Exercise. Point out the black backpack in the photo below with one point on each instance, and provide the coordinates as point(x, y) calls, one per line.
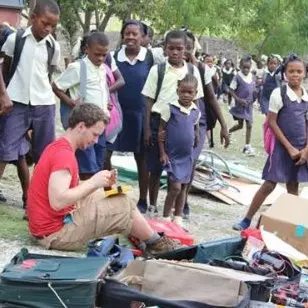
point(211, 117)
point(19, 44)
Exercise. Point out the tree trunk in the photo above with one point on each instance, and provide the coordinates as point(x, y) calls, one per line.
point(31, 8)
point(104, 23)
point(87, 21)
point(97, 17)
point(82, 24)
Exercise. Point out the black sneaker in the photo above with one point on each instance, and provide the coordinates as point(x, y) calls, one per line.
point(2, 198)
point(186, 211)
point(142, 206)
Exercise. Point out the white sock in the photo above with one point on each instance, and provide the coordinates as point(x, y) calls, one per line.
point(178, 220)
point(168, 219)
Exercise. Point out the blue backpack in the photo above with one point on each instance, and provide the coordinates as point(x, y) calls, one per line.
point(109, 247)
point(65, 109)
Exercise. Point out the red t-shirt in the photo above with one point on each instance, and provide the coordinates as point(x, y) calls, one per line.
point(43, 220)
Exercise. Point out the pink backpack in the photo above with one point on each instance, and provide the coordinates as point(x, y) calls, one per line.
point(268, 135)
point(268, 138)
point(116, 118)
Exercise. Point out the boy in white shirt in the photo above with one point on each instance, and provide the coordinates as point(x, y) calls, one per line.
point(175, 69)
point(29, 88)
point(91, 159)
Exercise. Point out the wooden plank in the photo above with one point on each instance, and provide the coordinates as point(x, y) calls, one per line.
point(202, 176)
point(248, 191)
point(243, 194)
point(222, 197)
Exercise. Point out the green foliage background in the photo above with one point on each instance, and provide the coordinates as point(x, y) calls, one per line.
point(258, 26)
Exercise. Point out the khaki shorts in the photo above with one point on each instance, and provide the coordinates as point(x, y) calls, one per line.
point(95, 216)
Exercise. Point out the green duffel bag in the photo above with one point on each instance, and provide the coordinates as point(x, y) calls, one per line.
point(45, 281)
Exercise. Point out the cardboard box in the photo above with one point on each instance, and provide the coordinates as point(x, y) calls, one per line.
point(288, 219)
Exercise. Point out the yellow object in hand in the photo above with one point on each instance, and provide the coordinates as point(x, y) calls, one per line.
point(122, 189)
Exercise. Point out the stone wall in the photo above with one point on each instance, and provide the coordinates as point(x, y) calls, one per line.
point(213, 46)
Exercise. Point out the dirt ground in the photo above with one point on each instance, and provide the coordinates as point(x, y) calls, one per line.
point(210, 219)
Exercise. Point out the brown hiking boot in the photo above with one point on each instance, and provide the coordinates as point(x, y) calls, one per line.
point(164, 244)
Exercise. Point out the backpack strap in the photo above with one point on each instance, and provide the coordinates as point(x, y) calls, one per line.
point(149, 58)
point(201, 69)
point(283, 93)
point(50, 53)
point(115, 55)
point(161, 69)
point(190, 68)
point(19, 45)
point(108, 60)
point(83, 80)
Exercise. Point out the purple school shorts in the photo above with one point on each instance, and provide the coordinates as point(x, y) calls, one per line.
point(14, 126)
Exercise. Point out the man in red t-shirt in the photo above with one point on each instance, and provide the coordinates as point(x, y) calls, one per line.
point(65, 214)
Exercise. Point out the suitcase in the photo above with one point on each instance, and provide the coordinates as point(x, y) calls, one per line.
point(44, 281)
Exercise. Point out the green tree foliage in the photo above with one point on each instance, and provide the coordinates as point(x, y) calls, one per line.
point(258, 26)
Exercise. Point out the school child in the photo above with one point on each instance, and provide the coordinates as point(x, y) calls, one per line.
point(134, 63)
point(115, 81)
point(209, 61)
point(159, 90)
point(242, 89)
point(208, 105)
point(26, 70)
point(287, 118)
point(93, 70)
point(179, 119)
point(228, 73)
point(270, 82)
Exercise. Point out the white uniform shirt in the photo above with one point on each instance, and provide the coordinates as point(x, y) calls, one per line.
point(97, 91)
point(123, 58)
point(247, 78)
point(275, 103)
point(168, 92)
point(30, 83)
point(166, 113)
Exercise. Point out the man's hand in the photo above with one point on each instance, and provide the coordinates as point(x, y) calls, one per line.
point(224, 137)
point(6, 105)
point(114, 176)
point(103, 178)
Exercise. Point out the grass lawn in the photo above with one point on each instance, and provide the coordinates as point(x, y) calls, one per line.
point(12, 225)
point(234, 152)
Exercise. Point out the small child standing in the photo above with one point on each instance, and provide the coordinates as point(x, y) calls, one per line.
point(228, 73)
point(270, 82)
point(242, 89)
point(287, 118)
point(180, 121)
